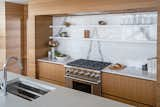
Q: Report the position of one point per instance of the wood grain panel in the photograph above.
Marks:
(2, 33)
(158, 95)
(61, 6)
(137, 90)
(158, 45)
(42, 33)
(15, 32)
(46, 70)
(53, 73)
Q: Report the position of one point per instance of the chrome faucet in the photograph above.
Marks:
(4, 82)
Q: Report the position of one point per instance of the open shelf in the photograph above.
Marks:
(103, 40)
(101, 26)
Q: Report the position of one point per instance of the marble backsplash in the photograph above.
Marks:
(114, 44)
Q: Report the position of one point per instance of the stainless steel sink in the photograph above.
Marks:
(27, 89)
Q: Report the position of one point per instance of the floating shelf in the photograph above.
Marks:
(115, 41)
(100, 26)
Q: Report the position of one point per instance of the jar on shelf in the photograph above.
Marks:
(86, 34)
(152, 65)
(52, 43)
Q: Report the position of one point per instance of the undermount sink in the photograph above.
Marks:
(27, 89)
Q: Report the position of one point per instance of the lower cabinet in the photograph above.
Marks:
(53, 73)
(138, 92)
(158, 95)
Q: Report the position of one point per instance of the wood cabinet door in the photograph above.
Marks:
(51, 72)
(59, 73)
(46, 70)
(137, 90)
(158, 95)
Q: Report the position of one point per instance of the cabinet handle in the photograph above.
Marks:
(78, 79)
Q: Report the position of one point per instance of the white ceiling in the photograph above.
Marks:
(18, 1)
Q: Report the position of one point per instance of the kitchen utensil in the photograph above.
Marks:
(67, 24)
(63, 34)
(49, 55)
(145, 67)
(102, 22)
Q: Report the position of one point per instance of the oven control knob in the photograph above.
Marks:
(68, 70)
(92, 75)
(75, 71)
(87, 74)
(71, 70)
(97, 76)
(81, 73)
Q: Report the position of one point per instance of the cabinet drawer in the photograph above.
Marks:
(137, 90)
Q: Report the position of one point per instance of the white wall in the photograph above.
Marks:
(132, 54)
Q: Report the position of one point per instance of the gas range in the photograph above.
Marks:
(85, 72)
(85, 75)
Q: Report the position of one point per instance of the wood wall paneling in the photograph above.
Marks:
(16, 33)
(158, 46)
(158, 61)
(37, 46)
(2, 33)
(42, 33)
(42, 7)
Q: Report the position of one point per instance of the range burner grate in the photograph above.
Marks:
(89, 64)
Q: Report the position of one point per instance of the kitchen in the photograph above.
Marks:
(96, 48)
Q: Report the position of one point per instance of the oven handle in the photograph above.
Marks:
(78, 79)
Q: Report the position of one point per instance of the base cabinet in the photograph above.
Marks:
(129, 90)
(53, 73)
(158, 95)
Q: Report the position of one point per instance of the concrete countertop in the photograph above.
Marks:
(133, 72)
(63, 62)
(128, 71)
(60, 97)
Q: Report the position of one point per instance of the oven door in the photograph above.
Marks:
(83, 85)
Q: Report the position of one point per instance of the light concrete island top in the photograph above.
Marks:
(60, 97)
(128, 71)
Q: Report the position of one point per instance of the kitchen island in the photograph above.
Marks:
(60, 97)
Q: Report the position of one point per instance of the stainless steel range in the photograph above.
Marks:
(85, 75)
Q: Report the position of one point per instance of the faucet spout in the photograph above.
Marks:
(4, 83)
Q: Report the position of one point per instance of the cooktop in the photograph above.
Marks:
(89, 64)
